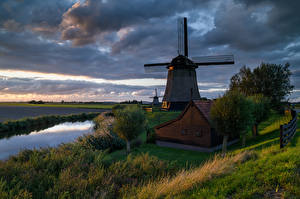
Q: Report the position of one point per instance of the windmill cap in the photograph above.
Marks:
(182, 61)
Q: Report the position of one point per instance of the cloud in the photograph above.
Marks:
(84, 21)
(255, 25)
(113, 39)
(32, 15)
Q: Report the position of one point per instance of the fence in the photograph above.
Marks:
(287, 131)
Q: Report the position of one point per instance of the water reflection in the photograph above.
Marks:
(51, 137)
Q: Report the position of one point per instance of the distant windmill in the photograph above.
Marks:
(156, 98)
(182, 81)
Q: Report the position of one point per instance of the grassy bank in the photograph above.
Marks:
(76, 171)
(27, 125)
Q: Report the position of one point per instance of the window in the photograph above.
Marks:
(199, 133)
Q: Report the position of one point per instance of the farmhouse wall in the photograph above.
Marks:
(192, 128)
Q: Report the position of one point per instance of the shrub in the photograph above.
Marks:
(150, 135)
(129, 123)
(103, 138)
(231, 115)
(261, 108)
(136, 143)
(101, 142)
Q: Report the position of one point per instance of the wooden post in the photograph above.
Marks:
(281, 136)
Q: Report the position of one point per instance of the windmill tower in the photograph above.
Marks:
(182, 80)
(155, 99)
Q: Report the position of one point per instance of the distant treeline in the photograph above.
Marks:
(27, 125)
(132, 102)
(36, 102)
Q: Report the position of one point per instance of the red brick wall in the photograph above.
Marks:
(192, 128)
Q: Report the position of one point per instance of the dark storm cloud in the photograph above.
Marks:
(84, 21)
(282, 16)
(255, 25)
(113, 39)
(42, 16)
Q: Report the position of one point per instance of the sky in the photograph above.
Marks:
(95, 50)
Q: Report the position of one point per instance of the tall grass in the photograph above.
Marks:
(187, 179)
(103, 138)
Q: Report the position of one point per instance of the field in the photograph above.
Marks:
(59, 105)
(259, 170)
(14, 111)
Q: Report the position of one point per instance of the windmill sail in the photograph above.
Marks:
(155, 68)
(180, 33)
(213, 60)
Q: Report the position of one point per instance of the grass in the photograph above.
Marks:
(159, 117)
(182, 158)
(274, 174)
(75, 105)
(187, 179)
(73, 171)
(268, 172)
(268, 133)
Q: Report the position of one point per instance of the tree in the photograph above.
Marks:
(271, 80)
(231, 116)
(243, 82)
(260, 110)
(129, 123)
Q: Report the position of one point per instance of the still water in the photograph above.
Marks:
(51, 137)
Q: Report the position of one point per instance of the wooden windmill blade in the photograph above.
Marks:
(156, 67)
(213, 60)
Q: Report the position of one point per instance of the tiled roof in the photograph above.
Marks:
(204, 107)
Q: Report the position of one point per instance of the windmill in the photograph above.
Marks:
(182, 81)
(156, 98)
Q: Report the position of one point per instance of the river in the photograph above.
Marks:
(50, 137)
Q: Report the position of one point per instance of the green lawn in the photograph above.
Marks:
(92, 106)
(265, 172)
(269, 135)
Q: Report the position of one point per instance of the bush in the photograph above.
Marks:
(232, 115)
(103, 138)
(261, 108)
(136, 143)
(129, 123)
(101, 142)
(150, 135)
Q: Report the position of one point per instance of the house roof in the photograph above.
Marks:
(203, 107)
